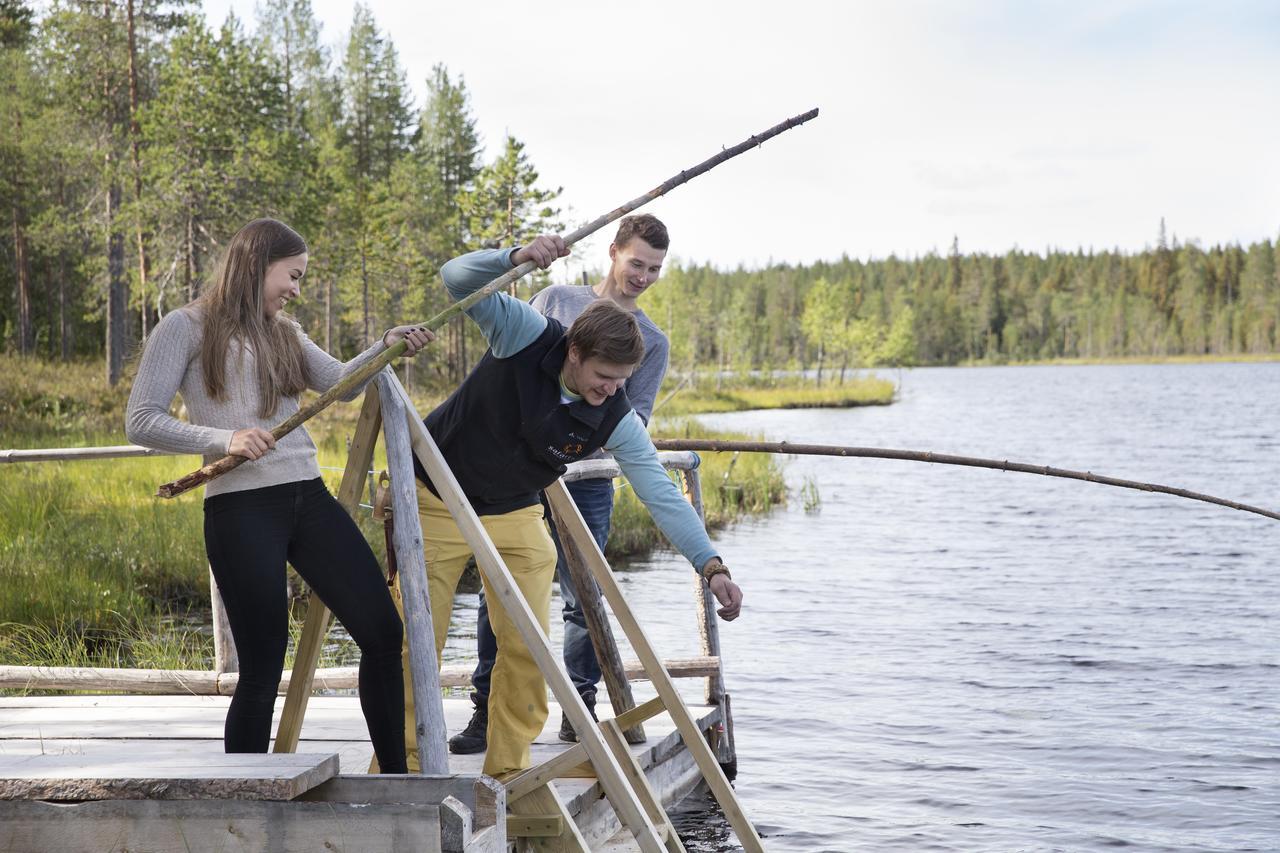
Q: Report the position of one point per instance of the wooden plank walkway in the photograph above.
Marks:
(176, 729)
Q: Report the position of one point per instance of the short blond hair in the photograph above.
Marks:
(607, 332)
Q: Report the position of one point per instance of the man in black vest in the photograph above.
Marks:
(542, 396)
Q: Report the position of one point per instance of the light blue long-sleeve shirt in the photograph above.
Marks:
(510, 325)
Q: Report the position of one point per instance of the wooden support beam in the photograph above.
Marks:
(559, 499)
(614, 737)
(708, 627)
(566, 762)
(551, 829)
(316, 626)
(598, 629)
(225, 658)
(429, 727)
(534, 825)
(504, 587)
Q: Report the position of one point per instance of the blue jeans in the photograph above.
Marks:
(595, 501)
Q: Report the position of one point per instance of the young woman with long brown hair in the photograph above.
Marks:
(240, 362)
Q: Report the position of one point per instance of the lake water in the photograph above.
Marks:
(941, 658)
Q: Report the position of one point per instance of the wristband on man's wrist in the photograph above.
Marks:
(715, 568)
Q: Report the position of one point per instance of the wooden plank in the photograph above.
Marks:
(429, 728)
(485, 797)
(666, 688)
(195, 682)
(543, 803)
(508, 594)
(535, 826)
(618, 743)
(219, 825)
(225, 658)
(558, 767)
(601, 634)
(316, 626)
(126, 776)
(455, 825)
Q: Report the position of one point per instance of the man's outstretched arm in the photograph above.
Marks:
(636, 456)
(508, 324)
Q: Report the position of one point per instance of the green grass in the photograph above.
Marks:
(706, 399)
(733, 485)
(96, 571)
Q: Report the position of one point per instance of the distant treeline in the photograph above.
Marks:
(1174, 299)
(135, 140)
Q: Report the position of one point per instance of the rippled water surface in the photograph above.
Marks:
(942, 658)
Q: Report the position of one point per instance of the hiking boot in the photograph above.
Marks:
(567, 734)
(474, 738)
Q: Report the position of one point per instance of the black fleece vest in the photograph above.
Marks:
(505, 433)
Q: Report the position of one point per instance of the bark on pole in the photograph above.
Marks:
(946, 459)
(359, 377)
(429, 727)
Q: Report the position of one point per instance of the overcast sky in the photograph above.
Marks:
(1036, 125)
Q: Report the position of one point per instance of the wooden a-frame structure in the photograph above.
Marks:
(603, 745)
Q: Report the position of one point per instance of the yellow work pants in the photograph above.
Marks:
(518, 692)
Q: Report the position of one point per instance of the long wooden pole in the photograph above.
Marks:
(359, 377)
(946, 459)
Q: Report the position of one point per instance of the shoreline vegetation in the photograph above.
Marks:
(98, 572)
(1203, 358)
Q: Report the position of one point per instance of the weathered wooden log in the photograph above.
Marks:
(359, 377)
(67, 454)
(946, 459)
(598, 630)
(429, 728)
(198, 682)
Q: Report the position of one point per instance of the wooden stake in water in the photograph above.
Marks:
(359, 377)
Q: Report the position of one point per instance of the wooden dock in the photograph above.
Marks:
(110, 772)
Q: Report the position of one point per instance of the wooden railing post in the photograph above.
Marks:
(708, 628)
(507, 593)
(599, 630)
(225, 658)
(429, 727)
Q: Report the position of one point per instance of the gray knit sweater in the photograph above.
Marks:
(171, 365)
(564, 302)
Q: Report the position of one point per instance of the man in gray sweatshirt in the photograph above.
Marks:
(636, 256)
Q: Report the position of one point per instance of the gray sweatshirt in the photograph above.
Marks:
(171, 365)
(564, 302)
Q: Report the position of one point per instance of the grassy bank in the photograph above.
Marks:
(706, 398)
(94, 570)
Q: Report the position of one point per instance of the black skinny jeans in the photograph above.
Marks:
(248, 536)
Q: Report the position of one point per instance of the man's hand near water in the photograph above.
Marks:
(729, 594)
